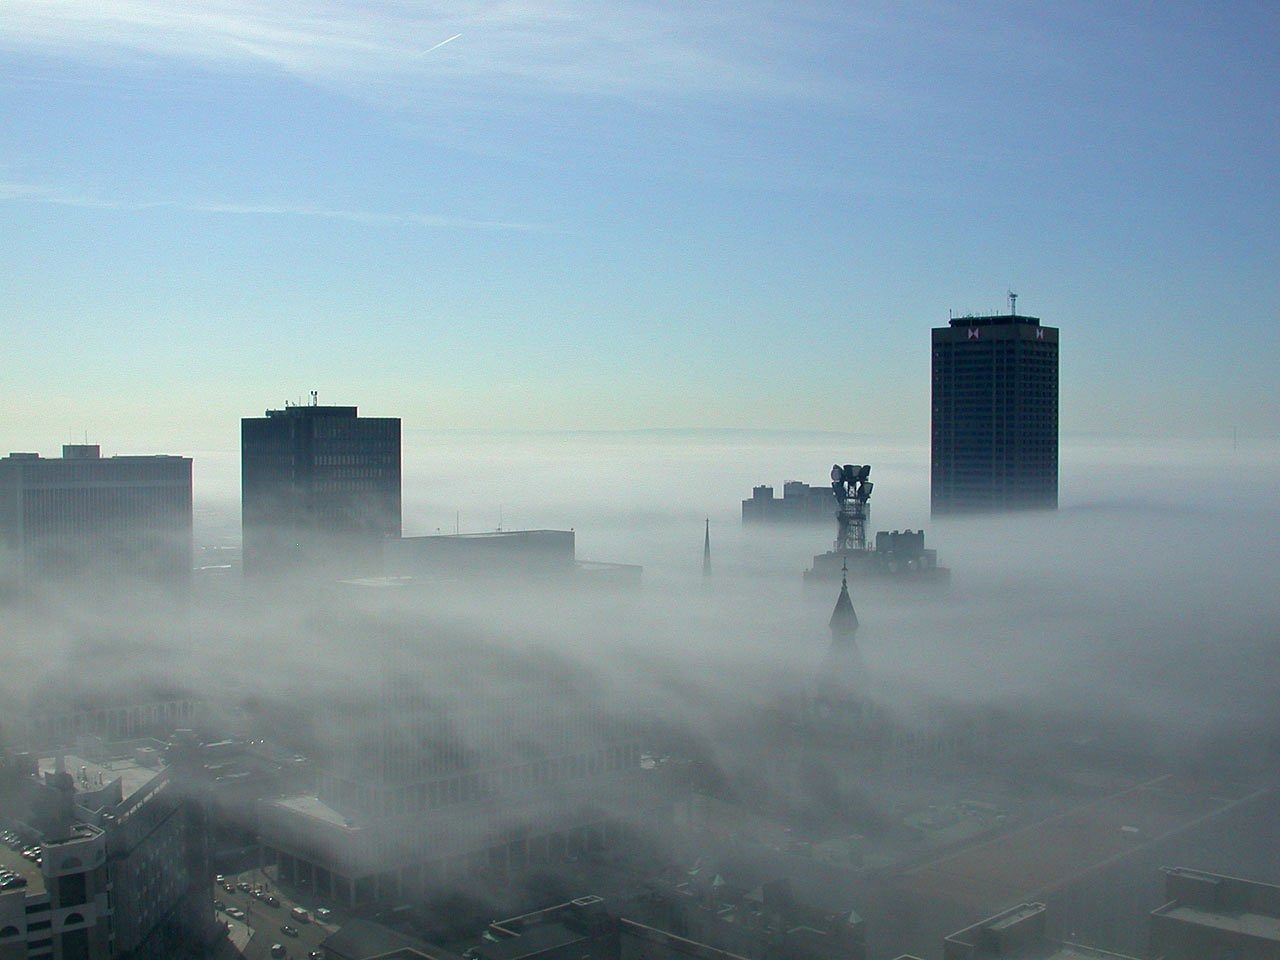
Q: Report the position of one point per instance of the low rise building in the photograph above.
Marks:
(1017, 934)
(1211, 915)
(799, 503)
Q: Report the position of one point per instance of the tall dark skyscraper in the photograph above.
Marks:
(318, 485)
(995, 414)
(85, 514)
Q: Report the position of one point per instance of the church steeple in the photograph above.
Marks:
(844, 621)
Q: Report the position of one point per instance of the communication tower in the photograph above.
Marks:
(853, 491)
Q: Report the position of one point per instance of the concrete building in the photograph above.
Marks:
(427, 789)
(995, 415)
(84, 514)
(1210, 915)
(59, 907)
(800, 503)
(585, 928)
(1017, 934)
(120, 866)
(524, 554)
(319, 485)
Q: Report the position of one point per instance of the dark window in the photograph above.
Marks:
(75, 945)
(72, 890)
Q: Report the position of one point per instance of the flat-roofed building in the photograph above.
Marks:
(1017, 934)
(82, 514)
(62, 906)
(319, 485)
(995, 415)
(1211, 915)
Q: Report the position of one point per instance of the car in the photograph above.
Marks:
(244, 886)
(219, 905)
(315, 955)
(235, 913)
(277, 950)
(300, 915)
(323, 913)
(288, 931)
(270, 901)
(219, 879)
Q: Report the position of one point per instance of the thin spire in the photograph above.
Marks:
(706, 550)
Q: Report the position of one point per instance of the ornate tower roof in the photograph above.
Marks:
(844, 620)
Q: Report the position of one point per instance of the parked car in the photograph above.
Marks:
(323, 913)
(300, 915)
(288, 931)
(277, 950)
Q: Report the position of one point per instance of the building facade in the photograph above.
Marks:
(83, 513)
(318, 484)
(800, 503)
(427, 789)
(995, 415)
(106, 857)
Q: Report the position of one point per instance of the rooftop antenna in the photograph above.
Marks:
(1013, 304)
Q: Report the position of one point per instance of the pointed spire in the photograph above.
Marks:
(706, 551)
(844, 621)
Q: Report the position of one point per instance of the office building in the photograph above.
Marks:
(1018, 933)
(319, 485)
(800, 503)
(104, 856)
(429, 789)
(85, 514)
(1210, 915)
(995, 415)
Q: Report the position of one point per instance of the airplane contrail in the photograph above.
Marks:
(441, 44)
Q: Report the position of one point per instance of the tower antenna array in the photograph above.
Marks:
(853, 491)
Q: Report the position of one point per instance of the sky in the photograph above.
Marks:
(552, 216)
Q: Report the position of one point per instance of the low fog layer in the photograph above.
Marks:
(1147, 598)
(1140, 618)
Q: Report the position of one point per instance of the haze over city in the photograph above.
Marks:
(397, 395)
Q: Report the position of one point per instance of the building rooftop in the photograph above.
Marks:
(312, 411)
(1259, 926)
(538, 939)
(95, 776)
(993, 320)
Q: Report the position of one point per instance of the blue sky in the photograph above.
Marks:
(593, 216)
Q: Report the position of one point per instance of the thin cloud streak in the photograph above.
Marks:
(18, 192)
(636, 51)
(456, 36)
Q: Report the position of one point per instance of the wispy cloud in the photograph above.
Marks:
(627, 49)
(17, 191)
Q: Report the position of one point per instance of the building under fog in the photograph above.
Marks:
(799, 503)
(525, 554)
(1018, 933)
(319, 486)
(1211, 915)
(105, 857)
(85, 514)
(995, 415)
(423, 788)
